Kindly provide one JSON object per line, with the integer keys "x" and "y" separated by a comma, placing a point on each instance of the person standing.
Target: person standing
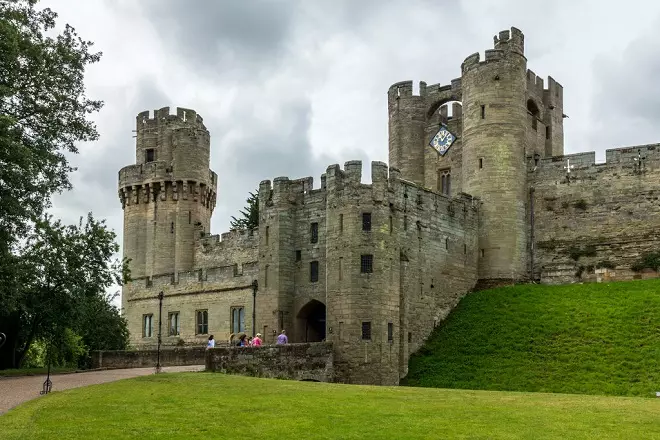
{"x": 211, "y": 343}
{"x": 256, "y": 342}
{"x": 282, "y": 339}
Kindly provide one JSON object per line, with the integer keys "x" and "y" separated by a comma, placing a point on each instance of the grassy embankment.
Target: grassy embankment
{"x": 580, "y": 338}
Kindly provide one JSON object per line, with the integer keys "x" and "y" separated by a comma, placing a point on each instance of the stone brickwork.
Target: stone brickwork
{"x": 423, "y": 253}
{"x": 604, "y": 214}
{"x": 372, "y": 268}
{"x": 148, "y": 358}
{"x": 292, "y": 361}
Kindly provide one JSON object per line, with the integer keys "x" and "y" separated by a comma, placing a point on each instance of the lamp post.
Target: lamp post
{"x": 160, "y": 315}
{"x": 255, "y": 286}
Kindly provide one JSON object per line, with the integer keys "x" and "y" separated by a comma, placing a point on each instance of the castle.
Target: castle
{"x": 479, "y": 197}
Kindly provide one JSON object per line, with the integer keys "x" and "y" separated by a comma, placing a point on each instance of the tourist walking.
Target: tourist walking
{"x": 211, "y": 343}
{"x": 256, "y": 342}
{"x": 282, "y": 339}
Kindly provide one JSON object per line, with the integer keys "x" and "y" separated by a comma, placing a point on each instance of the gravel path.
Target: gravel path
{"x": 16, "y": 390}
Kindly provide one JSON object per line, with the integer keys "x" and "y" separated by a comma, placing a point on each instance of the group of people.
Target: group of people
{"x": 245, "y": 341}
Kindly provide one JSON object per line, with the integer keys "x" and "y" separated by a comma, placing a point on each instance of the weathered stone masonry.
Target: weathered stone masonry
{"x": 373, "y": 268}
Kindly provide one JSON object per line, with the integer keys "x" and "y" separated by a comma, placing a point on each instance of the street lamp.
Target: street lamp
{"x": 160, "y": 315}
{"x": 255, "y": 286}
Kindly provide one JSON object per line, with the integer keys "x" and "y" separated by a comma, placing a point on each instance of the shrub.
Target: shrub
{"x": 649, "y": 260}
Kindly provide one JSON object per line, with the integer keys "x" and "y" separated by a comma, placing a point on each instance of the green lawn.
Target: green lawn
{"x": 217, "y": 406}
{"x": 589, "y": 338}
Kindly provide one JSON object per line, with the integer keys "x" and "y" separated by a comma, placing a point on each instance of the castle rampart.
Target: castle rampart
{"x": 592, "y": 216}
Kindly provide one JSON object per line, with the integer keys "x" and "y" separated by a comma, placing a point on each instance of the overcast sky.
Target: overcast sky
{"x": 287, "y": 88}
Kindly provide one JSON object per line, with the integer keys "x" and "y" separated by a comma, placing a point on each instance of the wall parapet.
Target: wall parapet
{"x": 308, "y": 361}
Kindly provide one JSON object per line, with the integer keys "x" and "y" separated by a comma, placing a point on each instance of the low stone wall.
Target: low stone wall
{"x": 311, "y": 361}
{"x": 169, "y": 357}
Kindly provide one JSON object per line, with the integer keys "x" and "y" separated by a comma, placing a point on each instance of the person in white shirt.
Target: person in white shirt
{"x": 211, "y": 342}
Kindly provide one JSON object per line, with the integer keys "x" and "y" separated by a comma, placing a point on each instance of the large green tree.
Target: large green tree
{"x": 53, "y": 277}
{"x": 249, "y": 216}
{"x": 43, "y": 111}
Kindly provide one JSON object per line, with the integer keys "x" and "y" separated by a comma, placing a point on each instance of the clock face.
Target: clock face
{"x": 442, "y": 140}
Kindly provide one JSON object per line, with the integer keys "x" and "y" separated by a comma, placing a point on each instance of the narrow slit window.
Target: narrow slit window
{"x": 481, "y": 162}
{"x": 313, "y": 271}
{"x": 547, "y": 132}
{"x": 483, "y": 112}
{"x": 298, "y": 255}
{"x": 366, "y": 330}
{"x": 314, "y": 233}
{"x": 366, "y": 221}
{"x": 341, "y": 223}
{"x": 390, "y": 332}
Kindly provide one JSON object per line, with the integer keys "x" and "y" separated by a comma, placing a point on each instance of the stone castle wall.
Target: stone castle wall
{"x": 606, "y": 214}
{"x": 405, "y": 295}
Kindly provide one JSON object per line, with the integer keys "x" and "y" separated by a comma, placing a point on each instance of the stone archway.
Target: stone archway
{"x": 311, "y": 322}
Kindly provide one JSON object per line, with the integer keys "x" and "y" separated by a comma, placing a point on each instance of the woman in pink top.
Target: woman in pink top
{"x": 256, "y": 342}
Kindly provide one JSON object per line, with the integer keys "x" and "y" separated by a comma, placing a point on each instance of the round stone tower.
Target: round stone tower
{"x": 169, "y": 194}
{"x": 493, "y": 162}
{"x": 407, "y": 124}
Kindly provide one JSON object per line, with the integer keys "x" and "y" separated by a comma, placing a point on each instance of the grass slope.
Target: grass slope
{"x": 207, "y": 405}
{"x": 586, "y": 338}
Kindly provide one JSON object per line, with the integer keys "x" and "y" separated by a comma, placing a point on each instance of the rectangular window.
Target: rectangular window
{"x": 202, "y": 322}
{"x": 266, "y": 276}
{"x": 391, "y": 225}
{"x": 366, "y": 330}
{"x": 464, "y": 248}
{"x": 267, "y": 233}
{"x": 298, "y": 255}
{"x": 341, "y": 268}
{"x": 149, "y": 155}
{"x": 237, "y": 319}
{"x": 147, "y": 326}
{"x": 366, "y": 221}
{"x": 481, "y": 162}
{"x": 367, "y": 263}
{"x": 447, "y": 243}
{"x": 390, "y": 332}
{"x": 483, "y": 112}
{"x": 314, "y": 233}
{"x": 481, "y": 252}
{"x": 173, "y": 324}
{"x": 405, "y": 222}
{"x": 547, "y": 132}
{"x": 313, "y": 271}
{"x": 341, "y": 223}
{"x": 409, "y": 337}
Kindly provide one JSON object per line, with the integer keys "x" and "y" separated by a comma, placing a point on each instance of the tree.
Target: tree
{"x": 250, "y": 215}
{"x": 47, "y": 270}
{"x": 64, "y": 273}
{"x": 43, "y": 112}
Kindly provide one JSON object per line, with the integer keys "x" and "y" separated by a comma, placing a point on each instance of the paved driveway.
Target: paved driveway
{"x": 16, "y": 390}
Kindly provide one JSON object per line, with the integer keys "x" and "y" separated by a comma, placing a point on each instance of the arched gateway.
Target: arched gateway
{"x": 311, "y": 322}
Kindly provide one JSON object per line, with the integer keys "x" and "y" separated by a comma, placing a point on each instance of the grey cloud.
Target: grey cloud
{"x": 222, "y": 33}
{"x": 626, "y": 103}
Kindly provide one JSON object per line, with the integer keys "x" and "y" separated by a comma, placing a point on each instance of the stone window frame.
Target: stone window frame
{"x": 150, "y": 318}
{"x": 366, "y": 331}
{"x": 202, "y": 328}
{"x": 444, "y": 181}
{"x": 390, "y": 332}
{"x": 366, "y": 221}
{"x": 236, "y": 310}
{"x": 314, "y": 232}
{"x": 366, "y": 263}
{"x": 314, "y": 271}
{"x": 149, "y": 155}
{"x": 177, "y": 329}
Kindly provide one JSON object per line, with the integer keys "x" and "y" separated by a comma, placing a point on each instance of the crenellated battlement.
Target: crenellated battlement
{"x": 404, "y": 89}
{"x": 510, "y": 40}
{"x": 186, "y": 116}
{"x": 228, "y": 241}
